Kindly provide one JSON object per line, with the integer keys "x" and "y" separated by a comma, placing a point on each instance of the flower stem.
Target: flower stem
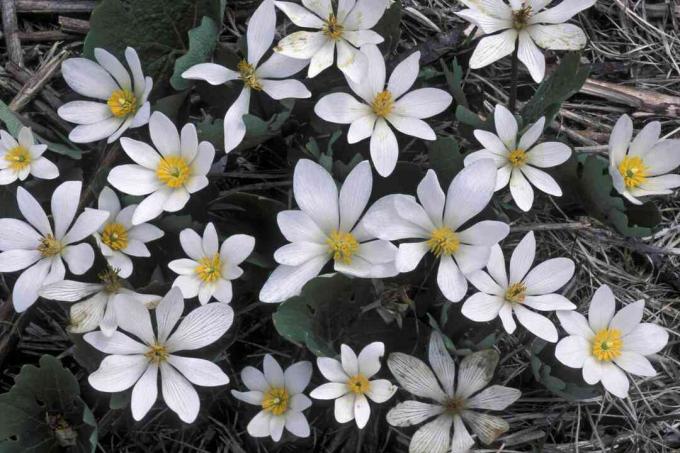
{"x": 513, "y": 79}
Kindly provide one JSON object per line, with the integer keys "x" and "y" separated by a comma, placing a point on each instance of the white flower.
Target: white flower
{"x": 125, "y": 105}
{"x": 327, "y": 226}
{"x": 642, "y": 167}
{"x": 451, "y": 407}
{"x": 517, "y": 162}
{"x": 385, "y": 104}
{"x": 349, "y": 29}
{"x": 118, "y": 238}
{"x": 607, "y": 344}
{"x": 168, "y": 174}
{"x": 38, "y": 247}
{"x": 20, "y": 158}
{"x": 526, "y": 24}
{"x": 134, "y": 362}
{"x": 98, "y": 309}
{"x": 350, "y": 383}
{"x": 208, "y": 271}
{"x": 255, "y": 77}
{"x": 280, "y": 396}
{"x": 535, "y": 288}
{"x": 437, "y": 221}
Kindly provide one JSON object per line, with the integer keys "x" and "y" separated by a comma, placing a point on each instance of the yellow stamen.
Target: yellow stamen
{"x": 518, "y": 158}
{"x": 49, "y": 246}
{"x": 248, "y": 75}
{"x": 443, "y": 241}
{"x": 122, "y": 103}
{"x": 633, "y": 170}
{"x": 516, "y": 293}
{"x": 607, "y": 344}
{"x": 383, "y": 104}
{"x": 173, "y": 171}
{"x": 332, "y": 28}
{"x": 342, "y": 246}
{"x": 275, "y": 400}
{"x": 209, "y": 268}
{"x": 157, "y": 353}
{"x": 520, "y": 18}
{"x": 115, "y": 236}
{"x": 358, "y": 384}
{"x": 109, "y": 277}
{"x": 18, "y": 158}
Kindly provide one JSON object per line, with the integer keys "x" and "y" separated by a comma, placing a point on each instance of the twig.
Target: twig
{"x": 550, "y": 227}
{"x": 9, "y": 25}
{"x": 54, "y": 6}
{"x": 36, "y": 82}
{"x": 69, "y": 24}
{"x": 647, "y": 101}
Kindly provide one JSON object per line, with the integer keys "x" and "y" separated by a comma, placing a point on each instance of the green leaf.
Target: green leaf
{"x": 454, "y": 79}
{"x": 470, "y": 118}
{"x": 445, "y": 159}
{"x": 43, "y": 412}
{"x": 202, "y": 40}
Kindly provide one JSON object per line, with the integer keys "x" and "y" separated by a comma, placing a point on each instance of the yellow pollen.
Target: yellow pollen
{"x": 49, "y": 246}
{"x": 455, "y": 405}
{"x": 157, "y": 353}
{"x": 110, "y": 279}
{"x": 518, "y": 158}
{"x": 520, "y": 18}
{"x": 383, "y": 104}
{"x": 248, "y": 75}
{"x": 115, "y": 236}
{"x": 342, "y": 246}
{"x": 443, "y": 241}
{"x": 516, "y": 293}
{"x": 332, "y": 28}
{"x": 633, "y": 170}
{"x": 173, "y": 171}
{"x": 275, "y": 400}
{"x": 122, "y": 103}
{"x": 209, "y": 268}
{"x": 358, "y": 384}
{"x": 18, "y": 158}
{"x": 607, "y": 344}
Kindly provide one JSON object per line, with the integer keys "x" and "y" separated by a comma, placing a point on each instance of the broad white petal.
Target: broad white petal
{"x": 410, "y": 413}
{"x": 297, "y": 226}
{"x": 482, "y": 307}
{"x": 531, "y": 56}
{"x": 646, "y": 339}
{"x": 412, "y": 126}
{"x": 602, "y": 308}
{"x": 506, "y": 126}
{"x": 116, "y": 343}
{"x": 573, "y": 351}
{"x": 340, "y": 108}
{"x": 212, "y": 73}
{"x": 549, "y": 276}
{"x": 494, "y": 398}
{"x": 287, "y": 281}
{"x": 384, "y": 148}
{"x": 300, "y": 15}
{"x": 562, "y": 12}
{"x": 354, "y": 195}
{"x": 614, "y": 380}
{"x": 522, "y": 257}
{"x": 422, "y": 103}
{"x": 470, "y": 192}
{"x": 87, "y": 78}
{"x": 261, "y": 31}
{"x": 548, "y": 154}
{"x": 199, "y": 371}
{"x": 145, "y": 392}
{"x": 532, "y": 134}
{"x": 369, "y": 358}
{"x": 537, "y": 324}
{"x": 628, "y": 318}
{"x": 118, "y": 372}
{"x": 558, "y": 37}
{"x": 316, "y": 194}
{"x": 441, "y": 362}
{"x": 133, "y": 179}
{"x": 575, "y": 323}
{"x": 433, "y": 437}
{"x": 451, "y": 280}
{"x": 493, "y": 48}
{"x": 79, "y": 258}
{"x": 415, "y": 376}
{"x": 542, "y": 180}
{"x": 475, "y": 372}
{"x": 331, "y": 369}
{"x": 304, "y": 45}
{"x": 297, "y": 377}
{"x": 404, "y": 75}
{"x": 635, "y": 363}
{"x": 84, "y": 112}
{"x": 280, "y": 66}
{"x": 179, "y": 394}
{"x": 285, "y": 89}
{"x": 201, "y": 327}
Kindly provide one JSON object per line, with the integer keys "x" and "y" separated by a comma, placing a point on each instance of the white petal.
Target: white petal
{"x": 340, "y": 108}
{"x": 164, "y": 134}
{"x": 542, "y": 180}
{"x": 299, "y": 15}
{"x": 531, "y": 56}
{"x": 558, "y": 37}
{"x": 486, "y": 232}
{"x": 168, "y": 312}
{"x": 201, "y": 327}
{"x": 323, "y": 58}
{"x": 369, "y": 358}
{"x": 145, "y": 392}
{"x": 362, "y": 411}
{"x": 259, "y": 425}
{"x": 78, "y": 257}
{"x": 470, "y": 192}
{"x": 25, "y": 291}
{"x": 493, "y": 48}
{"x": 381, "y": 390}
{"x": 210, "y": 242}
{"x": 532, "y": 134}
{"x": 620, "y": 139}
{"x": 431, "y": 197}
{"x": 64, "y": 205}
{"x": 287, "y": 281}
{"x": 573, "y": 351}
{"x": 279, "y": 66}
{"x": 602, "y": 308}
{"x": 485, "y": 283}
{"x": 212, "y": 73}
{"x": 415, "y": 376}
{"x": 475, "y": 372}
{"x": 592, "y": 370}
{"x": 549, "y": 276}
{"x": 522, "y": 257}
{"x": 364, "y": 15}
{"x": 351, "y": 61}
{"x": 491, "y": 142}
{"x": 235, "y": 249}
{"x": 482, "y": 307}
{"x": 562, "y": 13}
{"x": 575, "y": 323}
{"x": 487, "y": 427}
{"x": 410, "y": 413}
{"x": 116, "y": 343}
{"x": 521, "y": 190}
{"x": 506, "y": 126}
{"x": 179, "y": 394}
{"x": 663, "y": 157}
{"x": 321, "y": 8}
{"x": 375, "y": 78}
{"x": 646, "y": 339}
{"x": 384, "y": 148}
{"x": 331, "y": 369}
{"x": 304, "y": 45}
{"x": 297, "y": 376}
{"x": 412, "y": 126}
{"x": 273, "y": 372}
{"x": 33, "y": 212}
{"x": 441, "y": 362}
{"x": 297, "y": 424}
{"x": 451, "y": 280}
{"x": 548, "y": 154}
{"x": 344, "y": 408}
{"x": 354, "y": 195}
{"x": 87, "y": 133}
{"x": 494, "y": 398}
{"x": 15, "y": 260}
{"x": 549, "y": 302}
{"x": 645, "y": 139}
{"x": 297, "y": 226}
{"x": 118, "y": 372}
{"x": 199, "y": 371}
{"x": 316, "y": 194}
{"x": 329, "y": 391}
{"x": 234, "y": 127}
{"x": 133, "y": 179}
{"x": 537, "y": 324}
{"x": 422, "y": 103}
{"x": 85, "y": 225}
{"x": 350, "y": 362}
{"x": 133, "y": 317}
{"x": 84, "y": 112}
{"x": 261, "y": 30}
{"x": 496, "y": 267}
{"x": 471, "y": 258}
{"x": 87, "y": 78}
{"x": 614, "y": 380}
{"x": 285, "y": 89}
{"x": 461, "y": 441}
{"x": 433, "y": 437}
{"x": 404, "y": 75}
{"x": 254, "y": 379}
{"x": 252, "y": 397}
{"x": 361, "y": 128}
{"x": 487, "y": 23}
{"x": 359, "y": 38}
{"x": 88, "y": 314}
{"x": 635, "y": 363}
{"x": 628, "y": 318}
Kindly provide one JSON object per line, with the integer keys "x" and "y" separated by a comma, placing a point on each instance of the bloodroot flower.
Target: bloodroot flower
{"x": 22, "y": 157}
{"x": 608, "y": 344}
{"x": 280, "y": 396}
{"x": 452, "y": 405}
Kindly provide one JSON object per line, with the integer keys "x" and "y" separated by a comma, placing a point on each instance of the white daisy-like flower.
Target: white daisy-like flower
{"x": 608, "y": 344}
{"x": 383, "y": 105}
{"x": 168, "y": 173}
{"x": 118, "y": 238}
{"x": 350, "y": 383}
{"x": 642, "y": 167}
{"x": 209, "y": 270}
{"x": 125, "y": 103}
{"x": 43, "y": 250}
{"x": 347, "y": 31}
{"x": 327, "y": 227}
{"x": 527, "y": 25}
{"x": 97, "y": 310}
{"x": 280, "y": 396}
{"x": 526, "y": 288}
{"x": 453, "y": 403}
{"x": 22, "y": 157}
{"x": 136, "y": 361}
{"x": 437, "y": 222}
{"x": 517, "y": 162}
{"x": 269, "y": 76}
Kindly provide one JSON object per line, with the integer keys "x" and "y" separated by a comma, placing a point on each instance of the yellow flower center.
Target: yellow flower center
{"x": 455, "y": 405}
{"x": 248, "y": 75}
{"x": 209, "y": 268}
{"x": 516, "y": 293}
{"x": 157, "y": 353}
{"x": 383, "y": 104}
{"x": 520, "y": 18}
{"x": 332, "y": 28}
{"x": 607, "y": 344}
{"x": 275, "y": 400}
{"x": 18, "y": 158}
{"x": 49, "y": 246}
{"x": 633, "y": 170}
{"x": 115, "y": 236}
{"x": 517, "y": 158}
{"x": 122, "y": 103}
{"x": 110, "y": 279}
{"x": 342, "y": 246}
{"x": 173, "y": 171}
{"x": 358, "y": 384}
{"x": 443, "y": 241}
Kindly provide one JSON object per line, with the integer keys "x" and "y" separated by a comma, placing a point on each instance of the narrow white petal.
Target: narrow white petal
{"x": 415, "y": 376}
{"x": 369, "y": 358}
{"x": 201, "y": 327}
{"x": 384, "y": 148}
{"x": 234, "y": 127}
{"x": 404, "y": 75}
{"x": 316, "y": 194}
{"x": 212, "y": 73}
{"x": 145, "y": 392}
{"x": 84, "y": 112}
{"x": 451, "y": 280}
{"x": 340, "y": 108}
{"x": 179, "y": 394}
{"x": 482, "y": 307}
{"x": 521, "y": 190}
{"x": 615, "y": 380}
{"x": 537, "y": 324}
{"x": 410, "y": 413}
{"x": 494, "y": 398}
{"x": 287, "y": 281}
{"x": 602, "y": 308}
{"x": 475, "y": 372}
{"x": 470, "y": 192}
{"x": 532, "y": 57}
{"x": 441, "y": 362}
